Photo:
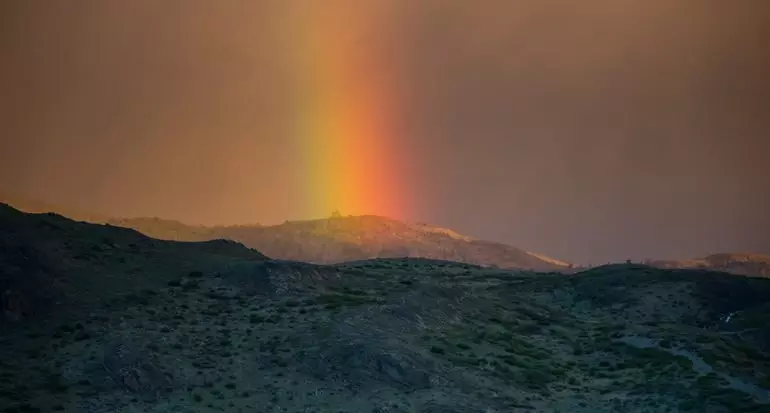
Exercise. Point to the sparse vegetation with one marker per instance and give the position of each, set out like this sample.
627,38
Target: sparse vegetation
207,327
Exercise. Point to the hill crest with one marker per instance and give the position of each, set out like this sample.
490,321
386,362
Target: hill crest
331,240
742,263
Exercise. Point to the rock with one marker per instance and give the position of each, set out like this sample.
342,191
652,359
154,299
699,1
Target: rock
135,371
366,363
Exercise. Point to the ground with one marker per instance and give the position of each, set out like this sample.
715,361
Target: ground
220,328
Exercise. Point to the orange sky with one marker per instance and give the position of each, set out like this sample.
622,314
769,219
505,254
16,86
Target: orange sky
589,131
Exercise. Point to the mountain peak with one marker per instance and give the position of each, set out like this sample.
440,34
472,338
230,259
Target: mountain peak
359,237
337,238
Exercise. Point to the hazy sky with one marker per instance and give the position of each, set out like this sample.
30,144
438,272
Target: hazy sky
589,131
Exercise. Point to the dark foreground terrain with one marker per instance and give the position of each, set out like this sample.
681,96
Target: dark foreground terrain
103,319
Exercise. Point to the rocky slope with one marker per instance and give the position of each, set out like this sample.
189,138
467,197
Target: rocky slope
47,258
360,237
118,322
340,239
325,241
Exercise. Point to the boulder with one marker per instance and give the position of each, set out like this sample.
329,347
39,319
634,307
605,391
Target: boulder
138,372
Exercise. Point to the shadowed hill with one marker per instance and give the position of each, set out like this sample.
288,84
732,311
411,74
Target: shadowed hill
103,319
46,258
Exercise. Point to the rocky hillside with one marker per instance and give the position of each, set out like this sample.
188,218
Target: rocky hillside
101,319
736,263
46,258
340,239
326,241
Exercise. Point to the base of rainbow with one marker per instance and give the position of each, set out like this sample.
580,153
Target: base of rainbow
347,127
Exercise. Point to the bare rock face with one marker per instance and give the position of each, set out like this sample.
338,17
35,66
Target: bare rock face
136,371
365,364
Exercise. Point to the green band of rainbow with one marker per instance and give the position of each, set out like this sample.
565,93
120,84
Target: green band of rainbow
346,127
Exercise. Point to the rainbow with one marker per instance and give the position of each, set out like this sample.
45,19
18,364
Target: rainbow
347,121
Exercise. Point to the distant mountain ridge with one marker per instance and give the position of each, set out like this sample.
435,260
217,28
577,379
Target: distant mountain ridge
340,239
330,240
36,206
742,263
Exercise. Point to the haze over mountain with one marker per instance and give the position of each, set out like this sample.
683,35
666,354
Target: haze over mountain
323,241
735,263
340,239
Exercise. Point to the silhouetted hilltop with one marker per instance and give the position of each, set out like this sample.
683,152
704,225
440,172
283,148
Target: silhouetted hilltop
47,258
36,206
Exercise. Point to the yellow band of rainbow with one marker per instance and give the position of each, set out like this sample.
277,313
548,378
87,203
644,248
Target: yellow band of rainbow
347,124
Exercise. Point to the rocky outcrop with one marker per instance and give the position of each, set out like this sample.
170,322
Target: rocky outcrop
136,371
